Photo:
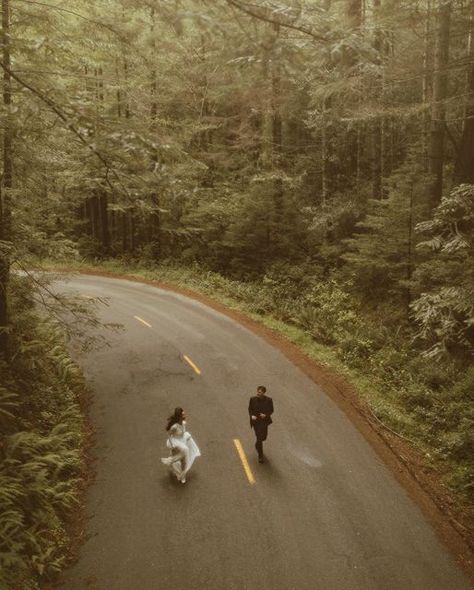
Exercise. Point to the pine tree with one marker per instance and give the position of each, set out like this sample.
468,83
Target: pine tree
444,309
382,257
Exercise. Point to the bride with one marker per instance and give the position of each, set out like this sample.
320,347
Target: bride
183,449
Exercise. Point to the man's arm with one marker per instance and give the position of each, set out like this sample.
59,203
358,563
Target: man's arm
270,407
251,410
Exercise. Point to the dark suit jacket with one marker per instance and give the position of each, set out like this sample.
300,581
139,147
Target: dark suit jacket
260,405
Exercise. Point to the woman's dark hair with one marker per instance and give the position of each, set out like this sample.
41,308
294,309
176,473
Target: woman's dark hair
175,418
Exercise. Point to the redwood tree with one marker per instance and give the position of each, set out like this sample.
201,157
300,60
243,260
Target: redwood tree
7,180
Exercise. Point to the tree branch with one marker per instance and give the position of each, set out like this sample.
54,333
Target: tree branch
61,9
120,35
69,125
261,14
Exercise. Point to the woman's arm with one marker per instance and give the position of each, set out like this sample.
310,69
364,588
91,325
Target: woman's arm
172,431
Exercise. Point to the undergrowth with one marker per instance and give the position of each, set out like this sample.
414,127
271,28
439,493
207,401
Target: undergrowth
41,439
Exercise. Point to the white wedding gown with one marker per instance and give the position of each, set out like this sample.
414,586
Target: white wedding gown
183,451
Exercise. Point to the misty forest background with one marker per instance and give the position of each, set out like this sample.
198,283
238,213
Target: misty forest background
312,161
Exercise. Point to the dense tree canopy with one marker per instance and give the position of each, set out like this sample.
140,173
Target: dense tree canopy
238,135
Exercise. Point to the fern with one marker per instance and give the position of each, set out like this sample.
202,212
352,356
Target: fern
40,461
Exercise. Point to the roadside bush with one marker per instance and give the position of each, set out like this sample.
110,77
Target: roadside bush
40,448
330,311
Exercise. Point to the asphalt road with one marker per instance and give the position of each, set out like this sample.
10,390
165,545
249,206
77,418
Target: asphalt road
323,514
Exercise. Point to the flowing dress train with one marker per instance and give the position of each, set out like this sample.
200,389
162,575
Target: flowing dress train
183,451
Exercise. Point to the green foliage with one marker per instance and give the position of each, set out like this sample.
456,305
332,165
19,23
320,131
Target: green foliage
382,257
448,416
40,449
445,311
446,320
326,311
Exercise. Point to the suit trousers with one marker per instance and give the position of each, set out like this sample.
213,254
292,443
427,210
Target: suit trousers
261,431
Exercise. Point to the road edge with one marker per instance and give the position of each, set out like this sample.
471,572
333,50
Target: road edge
406,464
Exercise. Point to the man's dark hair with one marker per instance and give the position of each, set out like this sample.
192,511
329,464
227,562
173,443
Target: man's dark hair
262,388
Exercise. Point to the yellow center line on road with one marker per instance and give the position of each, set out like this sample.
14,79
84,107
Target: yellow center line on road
245,463
142,321
191,364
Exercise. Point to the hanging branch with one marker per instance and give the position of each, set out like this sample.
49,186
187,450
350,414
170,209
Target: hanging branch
119,34
68,11
58,111
260,14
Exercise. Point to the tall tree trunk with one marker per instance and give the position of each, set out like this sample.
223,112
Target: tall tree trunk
464,169
427,83
378,125
7,182
155,222
278,194
124,218
93,221
410,248
119,225
377,154
272,148
354,9
355,17
266,158
102,231
438,108
104,222
128,113
118,93
358,155
132,231
324,156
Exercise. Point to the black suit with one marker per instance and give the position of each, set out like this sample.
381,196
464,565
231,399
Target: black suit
260,405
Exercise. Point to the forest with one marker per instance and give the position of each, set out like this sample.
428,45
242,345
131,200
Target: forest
311,159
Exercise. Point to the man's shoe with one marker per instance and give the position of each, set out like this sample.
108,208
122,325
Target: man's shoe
261,459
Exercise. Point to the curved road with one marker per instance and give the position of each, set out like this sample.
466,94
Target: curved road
323,514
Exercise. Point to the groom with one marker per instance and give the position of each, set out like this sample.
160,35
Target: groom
260,411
